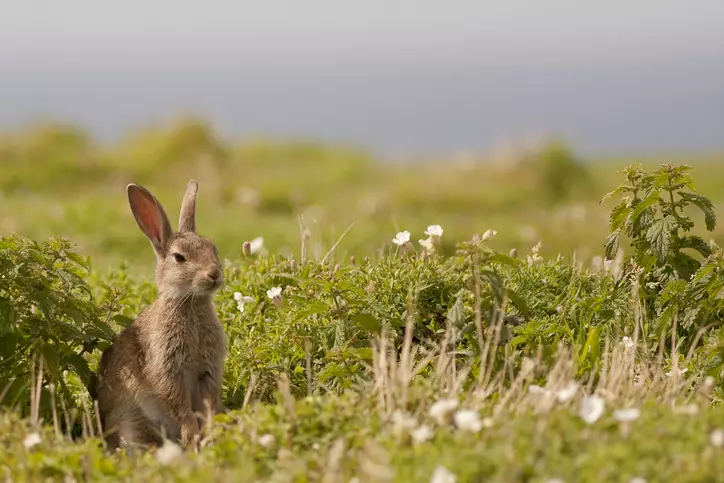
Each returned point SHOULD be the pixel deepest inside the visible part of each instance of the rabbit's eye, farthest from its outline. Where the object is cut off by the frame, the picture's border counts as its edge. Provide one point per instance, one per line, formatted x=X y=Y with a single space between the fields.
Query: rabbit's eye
x=179 y=258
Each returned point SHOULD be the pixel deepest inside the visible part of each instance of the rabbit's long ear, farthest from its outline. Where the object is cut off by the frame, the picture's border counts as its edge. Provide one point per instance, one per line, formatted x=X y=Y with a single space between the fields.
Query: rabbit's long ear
x=187 y=217
x=151 y=218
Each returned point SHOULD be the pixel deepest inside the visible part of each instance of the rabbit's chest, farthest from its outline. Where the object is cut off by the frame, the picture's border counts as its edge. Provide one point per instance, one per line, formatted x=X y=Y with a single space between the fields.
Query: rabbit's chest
x=208 y=346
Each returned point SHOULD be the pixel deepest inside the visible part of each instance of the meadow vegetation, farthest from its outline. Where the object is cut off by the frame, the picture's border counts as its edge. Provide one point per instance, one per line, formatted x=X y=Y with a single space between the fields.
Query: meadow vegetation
x=545 y=331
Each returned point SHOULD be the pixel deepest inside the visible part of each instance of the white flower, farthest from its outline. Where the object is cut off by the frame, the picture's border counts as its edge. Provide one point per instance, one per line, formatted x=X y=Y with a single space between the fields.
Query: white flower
x=31 y=440
x=427 y=245
x=637 y=479
x=266 y=440
x=535 y=257
x=626 y=415
x=443 y=475
x=256 y=244
x=422 y=434
x=441 y=410
x=716 y=438
x=434 y=230
x=468 y=420
x=627 y=342
x=275 y=293
x=591 y=409
x=168 y=452
x=241 y=300
x=401 y=238
x=489 y=234
x=567 y=393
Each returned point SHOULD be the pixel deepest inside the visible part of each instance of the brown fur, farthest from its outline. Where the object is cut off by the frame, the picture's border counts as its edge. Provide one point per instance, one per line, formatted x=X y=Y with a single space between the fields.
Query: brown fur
x=163 y=374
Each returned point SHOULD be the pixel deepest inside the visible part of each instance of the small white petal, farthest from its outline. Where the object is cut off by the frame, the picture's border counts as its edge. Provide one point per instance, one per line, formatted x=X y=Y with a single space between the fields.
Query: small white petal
x=443 y=475
x=434 y=230
x=274 y=292
x=567 y=393
x=256 y=244
x=401 y=238
x=441 y=410
x=266 y=440
x=168 y=452
x=427 y=244
x=468 y=420
x=716 y=438
x=591 y=409
x=627 y=342
x=422 y=434
x=626 y=415
x=489 y=234
x=238 y=296
x=31 y=440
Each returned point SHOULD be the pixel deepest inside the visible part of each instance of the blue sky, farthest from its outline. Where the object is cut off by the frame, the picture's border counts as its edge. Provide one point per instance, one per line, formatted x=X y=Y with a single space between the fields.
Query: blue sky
x=395 y=76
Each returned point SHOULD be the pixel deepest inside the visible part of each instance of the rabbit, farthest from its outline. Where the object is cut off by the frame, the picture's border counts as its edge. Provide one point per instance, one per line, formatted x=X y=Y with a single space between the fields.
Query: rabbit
x=163 y=373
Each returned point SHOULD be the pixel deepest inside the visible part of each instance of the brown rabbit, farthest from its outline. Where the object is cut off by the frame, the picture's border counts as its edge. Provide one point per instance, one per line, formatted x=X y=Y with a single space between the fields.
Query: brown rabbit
x=165 y=370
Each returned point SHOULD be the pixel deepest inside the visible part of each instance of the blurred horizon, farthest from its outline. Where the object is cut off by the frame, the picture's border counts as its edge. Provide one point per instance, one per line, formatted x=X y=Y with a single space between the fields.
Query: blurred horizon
x=413 y=79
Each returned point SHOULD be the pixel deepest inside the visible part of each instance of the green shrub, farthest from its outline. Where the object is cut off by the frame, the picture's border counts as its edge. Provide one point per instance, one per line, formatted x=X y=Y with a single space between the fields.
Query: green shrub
x=48 y=317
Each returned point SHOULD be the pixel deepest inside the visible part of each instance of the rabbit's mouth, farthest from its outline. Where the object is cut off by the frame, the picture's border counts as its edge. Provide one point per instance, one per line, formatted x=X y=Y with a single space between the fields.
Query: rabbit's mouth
x=209 y=286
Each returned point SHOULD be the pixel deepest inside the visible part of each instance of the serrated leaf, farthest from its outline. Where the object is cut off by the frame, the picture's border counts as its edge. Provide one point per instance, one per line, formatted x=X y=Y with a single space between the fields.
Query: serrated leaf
x=618 y=215
x=651 y=199
x=612 y=244
x=697 y=243
x=705 y=205
x=659 y=236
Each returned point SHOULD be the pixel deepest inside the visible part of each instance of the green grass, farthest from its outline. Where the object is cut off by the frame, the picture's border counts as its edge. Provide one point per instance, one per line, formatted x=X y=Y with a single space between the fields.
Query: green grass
x=332 y=385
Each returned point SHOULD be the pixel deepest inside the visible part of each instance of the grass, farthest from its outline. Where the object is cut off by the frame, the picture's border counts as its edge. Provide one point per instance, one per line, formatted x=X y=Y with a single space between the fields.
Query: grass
x=607 y=372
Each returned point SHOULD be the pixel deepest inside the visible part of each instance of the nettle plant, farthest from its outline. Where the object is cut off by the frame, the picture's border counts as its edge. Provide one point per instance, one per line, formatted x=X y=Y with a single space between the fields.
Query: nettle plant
x=678 y=273
x=49 y=324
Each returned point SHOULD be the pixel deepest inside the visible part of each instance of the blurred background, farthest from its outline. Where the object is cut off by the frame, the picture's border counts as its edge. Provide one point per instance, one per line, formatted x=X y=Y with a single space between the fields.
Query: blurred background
x=392 y=115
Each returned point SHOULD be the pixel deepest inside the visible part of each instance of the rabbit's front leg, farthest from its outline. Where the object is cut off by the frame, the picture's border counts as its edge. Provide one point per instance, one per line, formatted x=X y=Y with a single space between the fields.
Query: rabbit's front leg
x=172 y=390
x=207 y=400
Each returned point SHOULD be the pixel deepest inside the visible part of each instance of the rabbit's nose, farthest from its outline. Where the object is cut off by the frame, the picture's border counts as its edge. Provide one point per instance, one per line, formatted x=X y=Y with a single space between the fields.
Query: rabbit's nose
x=213 y=274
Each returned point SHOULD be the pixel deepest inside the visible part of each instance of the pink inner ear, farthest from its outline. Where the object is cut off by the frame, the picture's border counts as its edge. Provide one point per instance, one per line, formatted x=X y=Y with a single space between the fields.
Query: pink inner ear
x=147 y=213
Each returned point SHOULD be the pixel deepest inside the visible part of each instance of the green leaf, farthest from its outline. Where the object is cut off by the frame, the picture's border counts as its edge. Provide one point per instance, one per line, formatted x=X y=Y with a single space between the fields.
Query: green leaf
x=81 y=367
x=8 y=343
x=367 y=322
x=659 y=236
x=697 y=243
x=651 y=199
x=52 y=361
x=705 y=205
x=612 y=244
x=312 y=308
x=591 y=348
x=618 y=216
